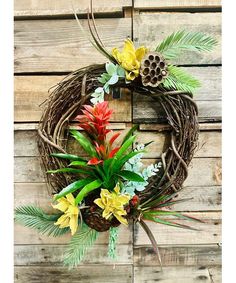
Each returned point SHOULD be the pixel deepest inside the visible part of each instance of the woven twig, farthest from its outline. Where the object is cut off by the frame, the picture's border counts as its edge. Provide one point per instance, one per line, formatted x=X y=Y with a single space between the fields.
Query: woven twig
x=64 y=104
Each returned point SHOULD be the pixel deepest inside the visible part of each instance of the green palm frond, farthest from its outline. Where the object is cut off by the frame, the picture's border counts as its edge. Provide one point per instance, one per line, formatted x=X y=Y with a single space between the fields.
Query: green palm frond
x=34 y=217
x=181 y=40
x=79 y=244
x=178 y=79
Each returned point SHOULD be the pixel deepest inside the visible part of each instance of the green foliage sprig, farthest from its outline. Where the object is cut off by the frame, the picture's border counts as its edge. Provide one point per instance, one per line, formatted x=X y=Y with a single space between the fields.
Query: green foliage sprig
x=79 y=244
x=178 y=79
x=34 y=217
x=182 y=40
x=114 y=72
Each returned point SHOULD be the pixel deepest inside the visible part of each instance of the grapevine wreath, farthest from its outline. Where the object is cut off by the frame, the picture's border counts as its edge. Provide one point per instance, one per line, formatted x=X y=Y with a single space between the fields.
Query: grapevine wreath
x=110 y=186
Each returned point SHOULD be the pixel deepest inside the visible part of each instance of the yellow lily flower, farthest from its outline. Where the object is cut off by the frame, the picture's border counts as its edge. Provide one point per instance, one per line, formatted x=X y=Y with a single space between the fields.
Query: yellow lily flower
x=130 y=58
x=113 y=203
x=71 y=213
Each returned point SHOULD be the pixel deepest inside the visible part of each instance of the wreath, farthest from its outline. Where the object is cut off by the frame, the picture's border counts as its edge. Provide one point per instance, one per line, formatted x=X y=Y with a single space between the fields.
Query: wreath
x=110 y=186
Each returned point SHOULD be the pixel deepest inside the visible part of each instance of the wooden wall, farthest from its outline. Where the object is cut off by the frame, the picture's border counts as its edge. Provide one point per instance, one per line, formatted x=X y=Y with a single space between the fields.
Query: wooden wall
x=48 y=45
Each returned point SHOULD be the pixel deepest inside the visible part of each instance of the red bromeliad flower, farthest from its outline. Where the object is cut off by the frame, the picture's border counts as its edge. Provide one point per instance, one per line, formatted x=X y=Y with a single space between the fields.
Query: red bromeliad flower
x=95 y=121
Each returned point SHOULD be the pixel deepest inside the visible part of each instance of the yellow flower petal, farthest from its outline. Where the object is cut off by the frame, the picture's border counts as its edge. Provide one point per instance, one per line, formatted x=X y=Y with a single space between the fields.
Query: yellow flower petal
x=121 y=219
x=70 y=199
x=73 y=224
x=62 y=205
x=129 y=46
x=117 y=189
x=99 y=202
x=63 y=221
x=130 y=76
x=140 y=52
x=73 y=210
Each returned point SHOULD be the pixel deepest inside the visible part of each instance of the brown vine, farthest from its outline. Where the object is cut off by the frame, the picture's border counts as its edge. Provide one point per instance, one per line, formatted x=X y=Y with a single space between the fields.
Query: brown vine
x=64 y=104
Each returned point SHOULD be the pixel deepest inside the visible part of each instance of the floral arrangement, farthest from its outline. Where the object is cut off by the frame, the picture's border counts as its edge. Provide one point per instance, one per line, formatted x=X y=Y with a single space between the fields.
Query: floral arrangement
x=110 y=186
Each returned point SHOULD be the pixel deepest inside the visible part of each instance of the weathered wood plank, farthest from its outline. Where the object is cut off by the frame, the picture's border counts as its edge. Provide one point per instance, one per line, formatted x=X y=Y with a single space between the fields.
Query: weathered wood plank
x=165 y=127
x=149 y=111
x=29 y=8
x=81 y=274
x=156 y=26
x=215 y=274
x=173 y=274
x=209 y=231
x=32 y=91
x=203 y=255
x=173 y=4
x=203 y=198
x=59 y=46
x=46 y=255
x=26 y=236
x=27 y=170
x=209 y=144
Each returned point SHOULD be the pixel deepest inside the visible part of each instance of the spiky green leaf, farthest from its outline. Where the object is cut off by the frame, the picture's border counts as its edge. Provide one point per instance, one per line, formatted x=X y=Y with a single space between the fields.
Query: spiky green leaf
x=71 y=157
x=178 y=79
x=84 y=142
x=79 y=244
x=73 y=187
x=130 y=176
x=34 y=217
x=181 y=40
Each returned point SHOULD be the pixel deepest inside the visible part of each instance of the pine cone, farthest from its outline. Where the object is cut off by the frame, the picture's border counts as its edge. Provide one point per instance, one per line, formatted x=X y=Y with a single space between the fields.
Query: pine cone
x=153 y=69
x=93 y=218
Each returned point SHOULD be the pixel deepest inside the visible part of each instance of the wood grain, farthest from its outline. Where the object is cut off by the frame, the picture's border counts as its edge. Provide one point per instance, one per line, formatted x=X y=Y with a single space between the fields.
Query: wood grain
x=26 y=236
x=205 y=255
x=173 y=4
x=149 y=111
x=81 y=274
x=209 y=231
x=215 y=273
x=46 y=255
x=32 y=91
x=60 y=46
x=30 y=8
x=177 y=274
x=202 y=198
x=156 y=26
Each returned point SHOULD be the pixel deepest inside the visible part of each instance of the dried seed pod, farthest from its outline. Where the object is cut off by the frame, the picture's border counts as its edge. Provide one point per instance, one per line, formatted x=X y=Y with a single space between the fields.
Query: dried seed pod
x=153 y=69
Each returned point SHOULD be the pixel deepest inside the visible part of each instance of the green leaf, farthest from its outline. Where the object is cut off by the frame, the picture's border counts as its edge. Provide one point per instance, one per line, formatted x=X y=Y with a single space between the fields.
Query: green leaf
x=181 y=40
x=86 y=189
x=130 y=176
x=124 y=147
x=79 y=244
x=84 y=142
x=78 y=163
x=178 y=79
x=71 y=170
x=111 y=68
x=102 y=80
x=120 y=72
x=34 y=217
x=120 y=163
x=113 y=80
x=130 y=133
x=72 y=187
x=68 y=156
x=165 y=222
